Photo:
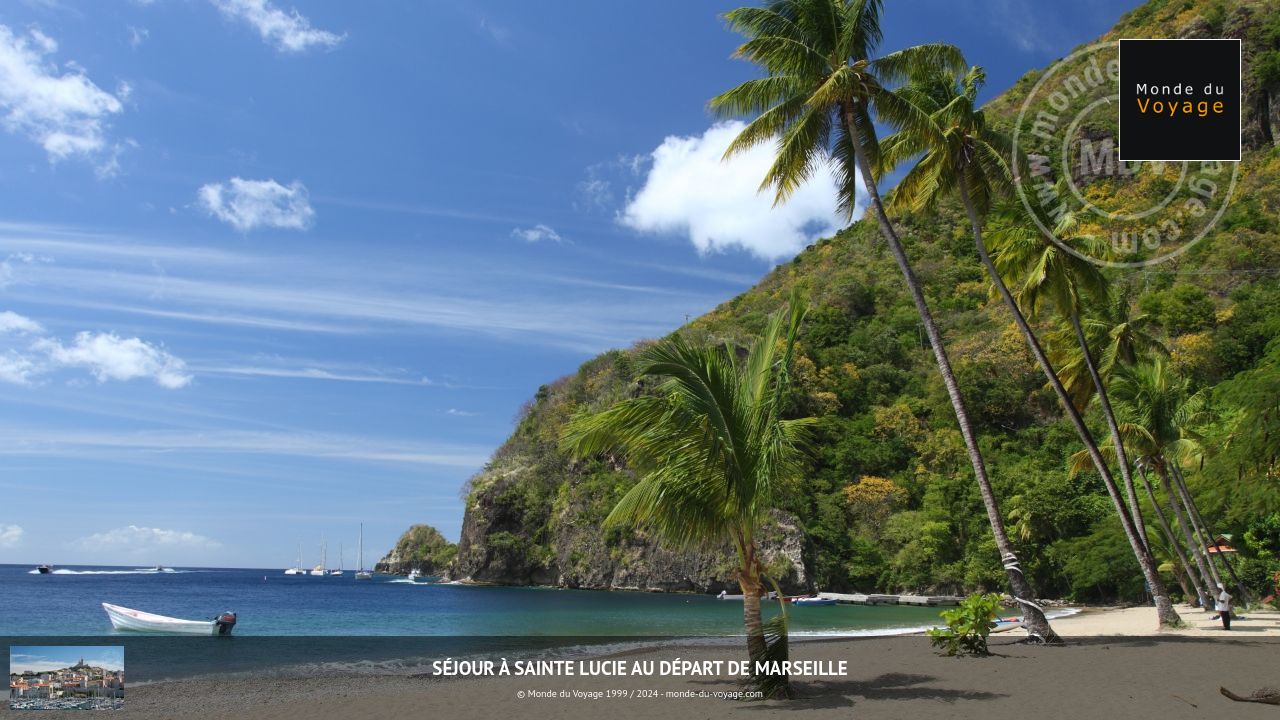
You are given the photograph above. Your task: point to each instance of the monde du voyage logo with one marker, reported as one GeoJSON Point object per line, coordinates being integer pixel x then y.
{"type": "Point", "coordinates": [1180, 100]}
{"type": "Point", "coordinates": [1133, 147]}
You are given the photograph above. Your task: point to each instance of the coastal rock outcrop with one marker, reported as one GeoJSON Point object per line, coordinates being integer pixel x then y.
{"type": "Point", "coordinates": [420, 548]}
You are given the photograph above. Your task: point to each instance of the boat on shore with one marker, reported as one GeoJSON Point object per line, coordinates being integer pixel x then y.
{"type": "Point", "coordinates": [123, 618]}
{"type": "Point", "coordinates": [813, 601]}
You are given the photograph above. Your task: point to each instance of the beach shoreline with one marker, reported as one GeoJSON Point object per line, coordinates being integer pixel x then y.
{"type": "Point", "coordinates": [1113, 664]}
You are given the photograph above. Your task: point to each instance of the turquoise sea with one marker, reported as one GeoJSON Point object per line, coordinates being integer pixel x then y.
{"type": "Point", "coordinates": [69, 603]}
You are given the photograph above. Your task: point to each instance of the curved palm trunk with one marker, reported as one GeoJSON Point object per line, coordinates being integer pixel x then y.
{"type": "Point", "coordinates": [1168, 617]}
{"type": "Point", "coordinates": [1199, 594]}
{"type": "Point", "coordinates": [1207, 534]}
{"type": "Point", "coordinates": [752, 589]}
{"type": "Point", "coordinates": [1033, 619]}
{"type": "Point", "coordinates": [1131, 494]}
{"type": "Point", "coordinates": [1179, 512]}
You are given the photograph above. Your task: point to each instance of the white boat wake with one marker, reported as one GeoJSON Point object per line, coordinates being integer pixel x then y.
{"type": "Point", "coordinates": [138, 571]}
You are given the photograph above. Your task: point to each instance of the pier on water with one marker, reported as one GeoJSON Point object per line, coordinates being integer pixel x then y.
{"type": "Point", "coordinates": [920, 600]}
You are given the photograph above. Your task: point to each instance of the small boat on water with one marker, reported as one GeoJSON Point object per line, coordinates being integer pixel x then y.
{"type": "Point", "coordinates": [415, 576]}
{"type": "Point", "coordinates": [44, 569]}
{"type": "Point", "coordinates": [813, 601]}
{"type": "Point", "coordinates": [297, 569]}
{"type": "Point", "coordinates": [123, 618]}
{"type": "Point", "coordinates": [339, 571]}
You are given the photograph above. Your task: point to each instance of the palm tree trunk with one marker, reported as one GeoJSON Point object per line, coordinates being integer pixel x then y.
{"type": "Point", "coordinates": [1131, 494]}
{"type": "Point", "coordinates": [1207, 534]}
{"type": "Point", "coordinates": [1033, 619]}
{"type": "Point", "coordinates": [1168, 617]}
{"type": "Point", "coordinates": [1244, 592]}
{"type": "Point", "coordinates": [749, 579]}
{"type": "Point", "coordinates": [1201, 597]}
{"type": "Point", "coordinates": [1175, 504]}
{"type": "Point", "coordinates": [1188, 506]}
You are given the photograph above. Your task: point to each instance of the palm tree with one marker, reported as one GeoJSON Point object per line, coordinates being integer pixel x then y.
{"type": "Point", "coordinates": [1174, 546]}
{"type": "Point", "coordinates": [1165, 416]}
{"type": "Point", "coordinates": [710, 449]}
{"type": "Point", "coordinates": [821, 85]}
{"type": "Point", "coordinates": [1046, 273]}
{"type": "Point", "coordinates": [960, 154]}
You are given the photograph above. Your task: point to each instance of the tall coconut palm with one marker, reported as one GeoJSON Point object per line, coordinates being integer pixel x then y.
{"type": "Point", "coordinates": [1155, 408]}
{"type": "Point", "coordinates": [1165, 416]}
{"type": "Point", "coordinates": [710, 449]}
{"type": "Point", "coordinates": [960, 154]}
{"type": "Point", "coordinates": [822, 83]}
{"type": "Point", "coordinates": [1175, 546]}
{"type": "Point", "coordinates": [1044, 273]}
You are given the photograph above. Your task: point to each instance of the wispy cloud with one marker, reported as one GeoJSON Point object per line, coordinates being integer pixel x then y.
{"type": "Point", "coordinates": [289, 32]}
{"type": "Point", "coordinates": [61, 109]}
{"type": "Point", "coordinates": [29, 441]}
{"type": "Point", "coordinates": [137, 35]}
{"type": "Point", "coordinates": [138, 541]}
{"type": "Point", "coordinates": [348, 293]}
{"type": "Point", "coordinates": [537, 233]}
{"type": "Point", "coordinates": [249, 204]}
{"type": "Point", "coordinates": [10, 536]}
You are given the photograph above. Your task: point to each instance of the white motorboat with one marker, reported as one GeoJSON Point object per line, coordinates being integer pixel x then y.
{"type": "Point", "coordinates": [123, 618]}
{"type": "Point", "coordinates": [361, 573]}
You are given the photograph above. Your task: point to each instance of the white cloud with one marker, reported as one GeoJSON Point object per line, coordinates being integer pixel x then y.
{"type": "Point", "coordinates": [460, 413]}
{"type": "Point", "coordinates": [111, 357]}
{"type": "Point", "coordinates": [143, 540]}
{"type": "Point", "coordinates": [12, 322]}
{"type": "Point", "coordinates": [248, 204]}
{"type": "Point", "coordinates": [537, 233]}
{"type": "Point", "coordinates": [59, 108]}
{"type": "Point", "coordinates": [691, 190]}
{"type": "Point", "coordinates": [137, 35]}
{"type": "Point", "coordinates": [17, 369]}
{"type": "Point", "coordinates": [287, 31]}
{"type": "Point", "coordinates": [10, 536]}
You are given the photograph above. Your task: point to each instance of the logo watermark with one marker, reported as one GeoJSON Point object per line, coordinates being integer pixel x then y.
{"type": "Point", "coordinates": [1139, 213]}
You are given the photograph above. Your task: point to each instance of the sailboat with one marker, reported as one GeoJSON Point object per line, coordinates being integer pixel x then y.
{"type": "Point", "coordinates": [297, 569]}
{"type": "Point", "coordinates": [324, 551]}
{"type": "Point", "coordinates": [338, 572]}
{"type": "Point", "coordinates": [361, 573]}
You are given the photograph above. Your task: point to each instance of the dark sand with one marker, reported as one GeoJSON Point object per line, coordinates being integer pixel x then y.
{"type": "Point", "coordinates": [1110, 677]}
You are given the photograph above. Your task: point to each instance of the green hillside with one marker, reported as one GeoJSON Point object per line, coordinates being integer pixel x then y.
{"type": "Point", "coordinates": [888, 502]}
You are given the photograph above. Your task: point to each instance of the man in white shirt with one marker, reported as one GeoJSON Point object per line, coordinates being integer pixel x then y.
{"type": "Point", "coordinates": [1223, 606]}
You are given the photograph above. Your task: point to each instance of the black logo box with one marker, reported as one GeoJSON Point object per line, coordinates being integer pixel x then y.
{"type": "Point", "coordinates": [1180, 63]}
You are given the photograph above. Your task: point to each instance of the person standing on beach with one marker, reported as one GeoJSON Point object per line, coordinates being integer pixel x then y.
{"type": "Point", "coordinates": [1223, 606]}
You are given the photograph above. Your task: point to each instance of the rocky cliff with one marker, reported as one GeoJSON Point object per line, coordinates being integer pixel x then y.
{"type": "Point", "coordinates": [420, 548]}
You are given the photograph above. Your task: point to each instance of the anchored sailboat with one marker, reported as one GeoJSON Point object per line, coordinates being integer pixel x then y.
{"type": "Point", "coordinates": [319, 569]}
{"type": "Point", "coordinates": [361, 573]}
{"type": "Point", "coordinates": [297, 569]}
{"type": "Point", "coordinates": [339, 570]}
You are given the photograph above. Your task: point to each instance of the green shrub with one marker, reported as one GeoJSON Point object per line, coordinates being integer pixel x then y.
{"type": "Point", "coordinates": [967, 625]}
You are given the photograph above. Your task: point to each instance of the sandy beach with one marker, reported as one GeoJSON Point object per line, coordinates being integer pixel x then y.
{"type": "Point", "coordinates": [1112, 665]}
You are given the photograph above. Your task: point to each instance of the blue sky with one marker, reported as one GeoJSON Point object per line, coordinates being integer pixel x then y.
{"type": "Point", "coordinates": [39, 658]}
{"type": "Point", "coordinates": [269, 269]}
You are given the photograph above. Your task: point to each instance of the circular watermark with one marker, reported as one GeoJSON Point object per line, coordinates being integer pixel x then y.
{"type": "Point", "coordinates": [1142, 212]}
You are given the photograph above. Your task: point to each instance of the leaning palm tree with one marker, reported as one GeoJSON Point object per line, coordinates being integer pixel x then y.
{"type": "Point", "coordinates": [711, 450]}
{"type": "Point", "coordinates": [821, 87]}
{"type": "Point", "coordinates": [960, 154]}
{"type": "Point", "coordinates": [1044, 273]}
{"type": "Point", "coordinates": [1162, 415]}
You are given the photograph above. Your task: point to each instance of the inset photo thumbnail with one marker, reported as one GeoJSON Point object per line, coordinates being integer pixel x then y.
{"type": "Point", "coordinates": [66, 677]}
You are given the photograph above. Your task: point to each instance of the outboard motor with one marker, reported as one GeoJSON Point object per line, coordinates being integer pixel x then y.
{"type": "Point", "coordinates": [225, 622]}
